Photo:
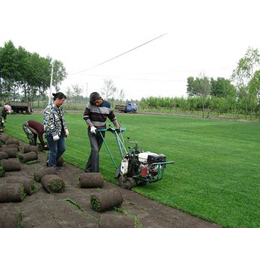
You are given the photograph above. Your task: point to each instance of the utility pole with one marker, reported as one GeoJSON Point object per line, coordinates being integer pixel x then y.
{"type": "Point", "coordinates": [86, 89]}
{"type": "Point", "coordinates": [50, 93]}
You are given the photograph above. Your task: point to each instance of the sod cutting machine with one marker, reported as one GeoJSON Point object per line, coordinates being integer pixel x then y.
{"type": "Point", "coordinates": [136, 167]}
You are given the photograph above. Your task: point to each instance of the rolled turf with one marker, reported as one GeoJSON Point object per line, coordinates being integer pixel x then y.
{"type": "Point", "coordinates": [12, 152]}
{"type": "Point", "coordinates": [91, 180]}
{"type": "Point", "coordinates": [30, 148]}
{"type": "Point", "coordinates": [10, 219]}
{"type": "Point", "coordinates": [9, 166]}
{"type": "Point", "coordinates": [12, 141]}
{"type": "Point", "coordinates": [3, 155]}
{"type": "Point", "coordinates": [27, 157]}
{"type": "Point", "coordinates": [53, 183]}
{"type": "Point", "coordinates": [106, 200]}
{"type": "Point", "coordinates": [116, 221]}
{"type": "Point", "coordinates": [45, 171]}
{"type": "Point", "coordinates": [12, 192]}
{"type": "Point", "coordinates": [13, 146]}
{"type": "Point", "coordinates": [29, 184]}
{"type": "Point", "coordinates": [3, 139]}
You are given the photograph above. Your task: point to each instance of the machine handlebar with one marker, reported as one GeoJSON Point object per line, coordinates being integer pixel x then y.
{"type": "Point", "coordinates": [111, 129]}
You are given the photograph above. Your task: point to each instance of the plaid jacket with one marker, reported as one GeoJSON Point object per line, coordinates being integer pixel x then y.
{"type": "Point", "coordinates": [52, 123]}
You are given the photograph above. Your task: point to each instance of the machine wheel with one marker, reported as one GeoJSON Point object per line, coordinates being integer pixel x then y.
{"type": "Point", "coordinates": [141, 183]}
{"type": "Point", "coordinates": [128, 184]}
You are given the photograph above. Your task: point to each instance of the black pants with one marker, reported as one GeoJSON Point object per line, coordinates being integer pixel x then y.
{"type": "Point", "coordinates": [96, 142]}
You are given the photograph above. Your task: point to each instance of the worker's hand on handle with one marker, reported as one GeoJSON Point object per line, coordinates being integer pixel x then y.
{"type": "Point", "coordinates": [66, 132]}
{"type": "Point", "coordinates": [56, 138]}
{"type": "Point", "coordinates": [93, 130]}
{"type": "Point", "coordinates": [118, 130]}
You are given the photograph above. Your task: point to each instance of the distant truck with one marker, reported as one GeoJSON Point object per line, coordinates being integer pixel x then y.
{"type": "Point", "coordinates": [130, 107]}
{"type": "Point", "coordinates": [21, 107]}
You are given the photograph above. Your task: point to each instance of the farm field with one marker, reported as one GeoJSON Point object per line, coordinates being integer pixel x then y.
{"type": "Point", "coordinates": [216, 172]}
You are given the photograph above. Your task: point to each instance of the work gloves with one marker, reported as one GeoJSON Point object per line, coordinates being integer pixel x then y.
{"type": "Point", "coordinates": [56, 138]}
{"type": "Point", "coordinates": [93, 129]}
{"type": "Point", "coordinates": [66, 132]}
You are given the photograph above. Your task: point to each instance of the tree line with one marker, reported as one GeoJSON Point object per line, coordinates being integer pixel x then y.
{"type": "Point", "coordinates": [238, 95]}
{"type": "Point", "coordinates": [26, 76]}
{"type": "Point", "coordinates": [22, 72]}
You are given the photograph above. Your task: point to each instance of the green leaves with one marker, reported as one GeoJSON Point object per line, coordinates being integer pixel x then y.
{"type": "Point", "coordinates": [20, 69]}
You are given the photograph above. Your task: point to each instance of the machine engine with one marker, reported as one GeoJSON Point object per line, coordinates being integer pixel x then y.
{"type": "Point", "coordinates": [142, 165]}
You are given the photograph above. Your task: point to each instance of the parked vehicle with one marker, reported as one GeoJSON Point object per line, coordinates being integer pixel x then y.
{"type": "Point", "coordinates": [21, 107]}
{"type": "Point", "coordinates": [129, 107]}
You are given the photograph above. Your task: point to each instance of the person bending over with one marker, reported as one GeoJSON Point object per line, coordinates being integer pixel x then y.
{"type": "Point", "coordinates": [33, 129]}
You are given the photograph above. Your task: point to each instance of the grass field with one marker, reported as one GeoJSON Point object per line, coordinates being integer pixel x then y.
{"type": "Point", "coordinates": [216, 175]}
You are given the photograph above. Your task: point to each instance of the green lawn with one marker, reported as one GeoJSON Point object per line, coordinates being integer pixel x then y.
{"type": "Point", "coordinates": [216, 175]}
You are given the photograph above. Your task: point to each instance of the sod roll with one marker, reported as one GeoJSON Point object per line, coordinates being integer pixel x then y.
{"type": "Point", "coordinates": [27, 157]}
{"type": "Point", "coordinates": [13, 146]}
{"type": "Point", "coordinates": [2, 170]}
{"type": "Point", "coordinates": [11, 165]}
{"type": "Point", "coordinates": [10, 219]}
{"type": "Point", "coordinates": [45, 171]}
{"type": "Point", "coordinates": [116, 221]}
{"type": "Point", "coordinates": [91, 180]}
{"type": "Point", "coordinates": [3, 155]}
{"type": "Point", "coordinates": [12, 141]}
{"type": "Point", "coordinates": [106, 200]}
{"type": "Point", "coordinates": [3, 139]}
{"type": "Point", "coordinates": [53, 183]}
{"type": "Point", "coordinates": [12, 192]}
{"type": "Point", "coordinates": [29, 184]}
{"type": "Point", "coordinates": [12, 152]}
{"type": "Point", "coordinates": [30, 148]}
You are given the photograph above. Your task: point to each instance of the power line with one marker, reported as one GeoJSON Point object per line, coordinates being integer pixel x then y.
{"type": "Point", "coordinates": [120, 54]}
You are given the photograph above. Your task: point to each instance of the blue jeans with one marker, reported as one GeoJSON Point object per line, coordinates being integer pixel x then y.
{"type": "Point", "coordinates": [57, 148]}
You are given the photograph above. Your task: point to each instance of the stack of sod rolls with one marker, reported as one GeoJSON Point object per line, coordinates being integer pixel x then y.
{"type": "Point", "coordinates": [106, 200]}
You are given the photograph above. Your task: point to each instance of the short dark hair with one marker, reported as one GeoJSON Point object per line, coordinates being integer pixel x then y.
{"type": "Point", "coordinates": [93, 97]}
{"type": "Point", "coordinates": [58, 95]}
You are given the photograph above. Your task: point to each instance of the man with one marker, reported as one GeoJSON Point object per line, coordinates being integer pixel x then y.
{"type": "Point", "coordinates": [33, 129]}
{"type": "Point", "coordinates": [96, 113]}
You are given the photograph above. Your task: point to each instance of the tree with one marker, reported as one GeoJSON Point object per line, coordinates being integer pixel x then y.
{"type": "Point", "coordinates": [121, 95]}
{"type": "Point", "coordinates": [59, 74]}
{"type": "Point", "coordinates": [199, 87]}
{"type": "Point", "coordinates": [109, 89]}
{"type": "Point", "coordinates": [22, 70]}
{"type": "Point", "coordinates": [254, 88]}
{"type": "Point", "coordinates": [222, 88]}
{"type": "Point", "coordinates": [244, 73]}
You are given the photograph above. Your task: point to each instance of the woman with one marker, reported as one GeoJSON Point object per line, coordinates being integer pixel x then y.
{"type": "Point", "coordinates": [55, 128]}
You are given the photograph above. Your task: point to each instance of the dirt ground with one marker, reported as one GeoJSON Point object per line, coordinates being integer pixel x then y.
{"type": "Point", "coordinates": [71, 209]}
